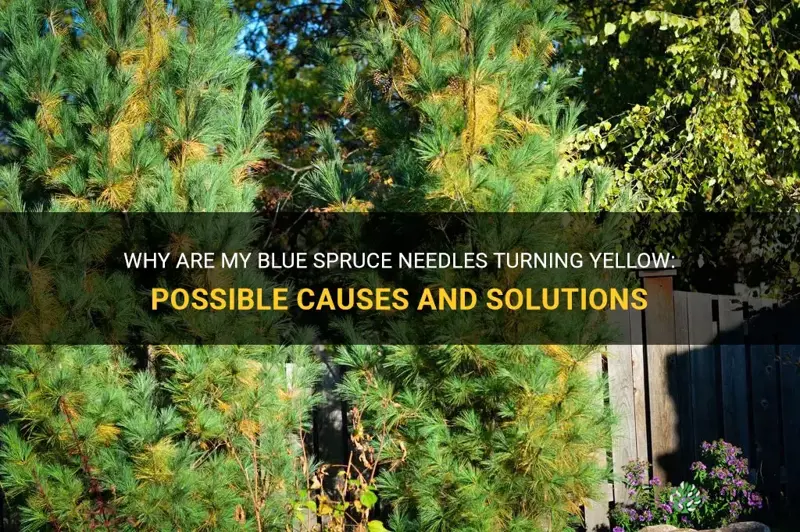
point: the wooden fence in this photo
(701, 367)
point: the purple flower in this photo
(635, 474)
(754, 500)
(618, 529)
(720, 473)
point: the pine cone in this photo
(455, 84)
(382, 81)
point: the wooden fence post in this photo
(626, 390)
(662, 370)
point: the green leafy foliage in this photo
(695, 101)
(352, 503)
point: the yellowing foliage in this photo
(107, 434)
(153, 464)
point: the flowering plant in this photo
(721, 475)
(718, 495)
(651, 502)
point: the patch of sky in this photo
(254, 36)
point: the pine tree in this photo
(139, 106)
(480, 437)
(131, 106)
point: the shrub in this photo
(718, 495)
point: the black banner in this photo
(221, 278)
